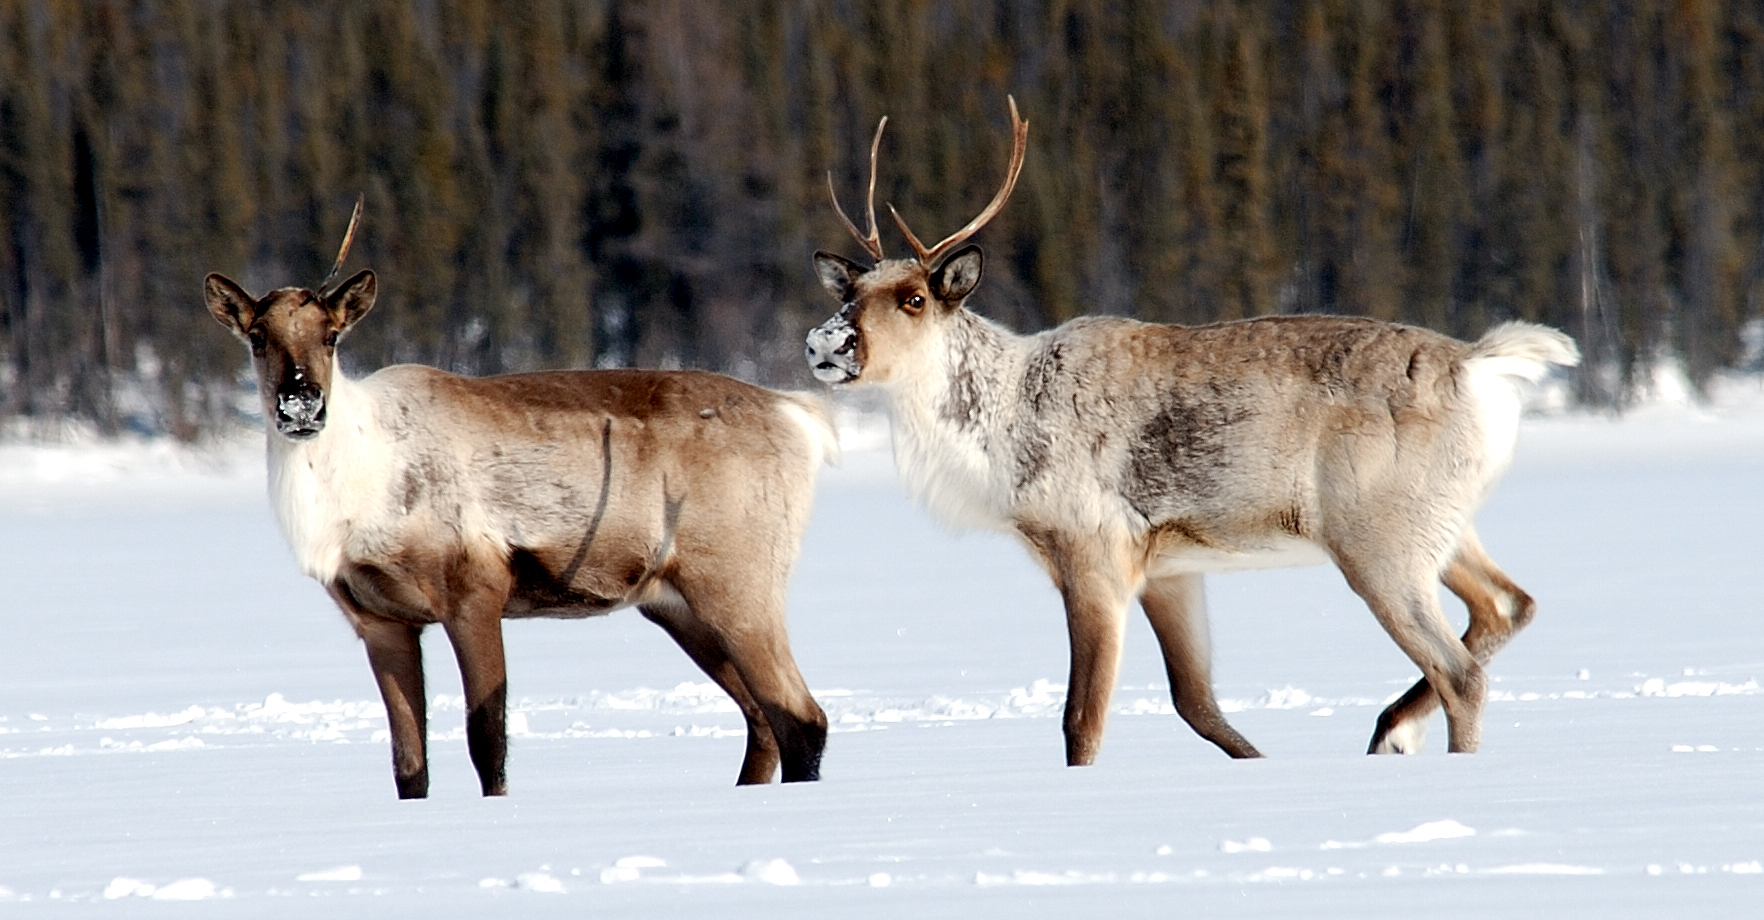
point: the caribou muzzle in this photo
(300, 412)
(832, 351)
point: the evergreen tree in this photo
(615, 181)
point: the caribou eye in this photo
(256, 338)
(913, 304)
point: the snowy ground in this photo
(182, 717)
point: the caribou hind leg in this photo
(1498, 610)
(745, 619)
(706, 651)
(1400, 591)
(1176, 607)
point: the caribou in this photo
(1133, 458)
(417, 497)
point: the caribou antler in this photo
(343, 250)
(872, 243)
(928, 257)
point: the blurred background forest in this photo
(614, 182)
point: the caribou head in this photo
(892, 309)
(293, 334)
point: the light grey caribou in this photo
(1132, 458)
(417, 497)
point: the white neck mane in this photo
(952, 419)
(322, 488)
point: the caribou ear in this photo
(231, 306)
(838, 275)
(958, 276)
(351, 301)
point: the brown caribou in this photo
(418, 497)
(1132, 458)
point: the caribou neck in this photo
(952, 422)
(321, 488)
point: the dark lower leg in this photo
(395, 655)
(1406, 604)
(487, 739)
(800, 744)
(476, 634)
(706, 650)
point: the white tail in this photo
(1523, 350)
(812, 414)
(417, 498)
(1133, 458)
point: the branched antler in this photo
(873, 242)
(1019, 146)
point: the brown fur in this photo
(419, 498)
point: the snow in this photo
(1432, 830)
(183, 717)
(339, 874)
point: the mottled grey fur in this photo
(1131, 458)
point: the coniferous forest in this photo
(617, 182)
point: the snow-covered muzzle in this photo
(300, 409)
(832, 350)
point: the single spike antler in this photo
(928, 257)
(873, 242)
(343, 251)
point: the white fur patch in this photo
(822, 438)
(1525, 350)
(947, 472)
(1284, 553)
(1495, 395)
(1406, 738)
(948, 469)
(1499, 362)
(334, 486)
(949, 480)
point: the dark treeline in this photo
(556, 183)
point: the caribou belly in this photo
(1280, 553)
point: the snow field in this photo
(182, 717)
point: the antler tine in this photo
(873, 242)
(343, 250)
(1019, 147)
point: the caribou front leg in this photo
(395, 653)
(1096, 619)
(474, 626)
(1096, 583)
